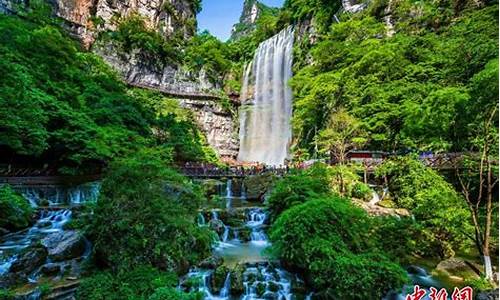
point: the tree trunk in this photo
(488, 271)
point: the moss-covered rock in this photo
(237, 279)
(218, 278)
(256, 186)
(15, 211)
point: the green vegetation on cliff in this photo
(64, 106)
(414, 90)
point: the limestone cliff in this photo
(85, 18)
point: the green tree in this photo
(145, 215)
(342, 133)
(434, 202)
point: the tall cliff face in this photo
(85, 18)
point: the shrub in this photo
(434, 202)
(15, 210)
(145, 215)
(361, 191)
(138, 283)
(297, 188)
(169, 293)
(330, 240)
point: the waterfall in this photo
(265, 131)
(224, 292)
(60, 195)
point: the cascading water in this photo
(257, 217)
(58, 195)
(11, 245)
(265, 131)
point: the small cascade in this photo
(11, 245)
(229, 188)
(225, 235)
(256, 219)
(201, 220)
(59, 195)
(276, 283)
(224, 292)
(202, 277)
(375, 198)
(243, 190)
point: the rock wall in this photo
(85, 18)
(217, 124)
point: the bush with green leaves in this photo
(15, 210)
(140, 283)
(330, 241)
(145, 215)
(436, 205)
(298, 187)
(361, 191)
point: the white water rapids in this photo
(265, 131)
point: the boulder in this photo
(29, 261)
(51, 269)
(488, 295)
(64, 245)
(218, 278)
(457, 268)
(237, 279)
(257, 185)
(211, 262)
(217, 226)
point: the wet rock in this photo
(29, 261)
(211, 187)
(488, 295)
(258, 185)
(218, 278)
(237, 279)
(457, 269)
(3, 231)
(217, 226)
(64, 245)
(51, 269)
(212, 262)
(416, 270)
(8, 280)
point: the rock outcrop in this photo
(252, 10)
(64, 245)
(85, 18)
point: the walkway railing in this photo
(220, 172)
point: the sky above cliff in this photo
(219, 16)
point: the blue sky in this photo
(218, 16)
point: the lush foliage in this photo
(145, 215)
(62, 104)
(297, 188)
(415, 90)
(15, 210)
(67, 107)
(140, 283)
(206, 52)
(435, 204)
(329, 239)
